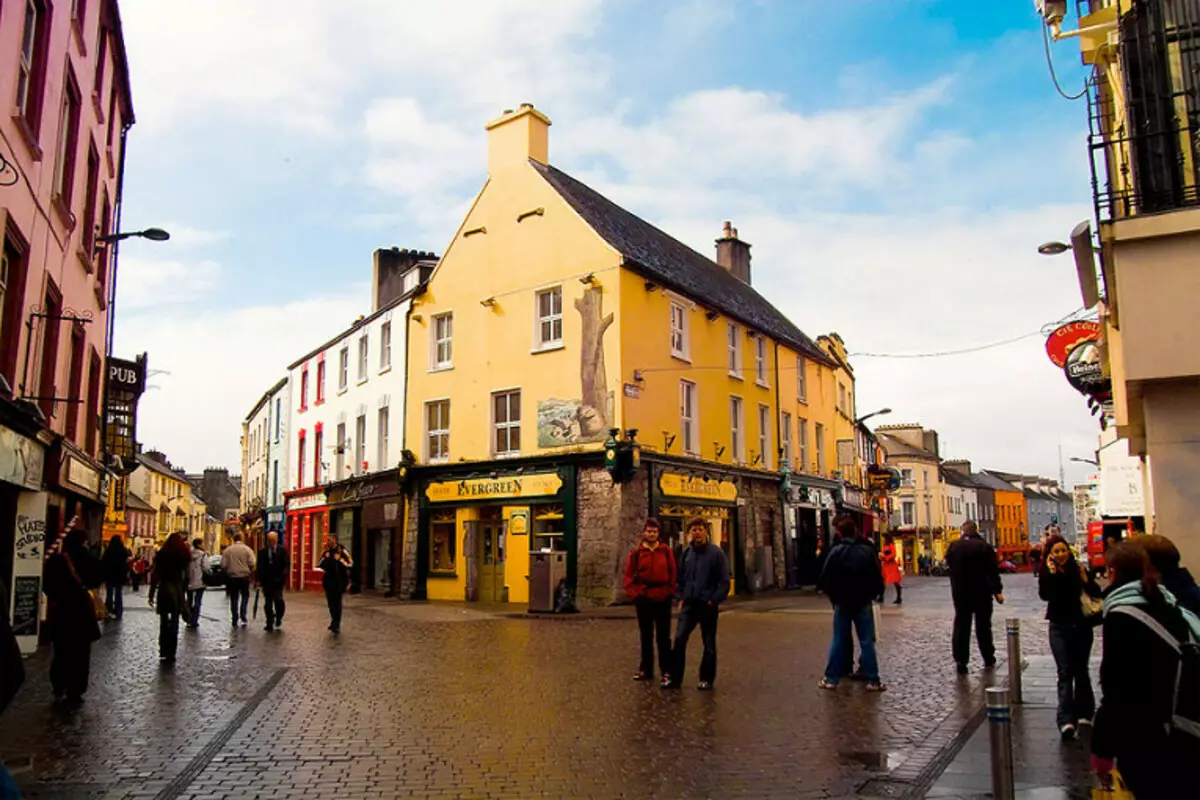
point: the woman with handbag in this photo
(169, 584)
(71, 576)
(1072, 608)
(335, 563)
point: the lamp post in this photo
(154, 235)
(1093, 462)
(1085, 260)
(872, 414)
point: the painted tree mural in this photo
(591, 367)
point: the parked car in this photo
(1008, 566)
(214, 573)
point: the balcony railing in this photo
(1145, 127)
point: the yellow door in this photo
(491, 562)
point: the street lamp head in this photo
(884, 411)
(1053, 248)
(155, 234)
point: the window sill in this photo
(341, 391)
(319, 402)
(513, 454)
(27, 134)
(101, 296)
(108, 156)
(77, 29)
(85, 260)
(548, 348)
(441, 368)
(802, 401)
(63, 211)
(302, 409)
(360, 382)
(681, 357)
(385, 370)
(444, 460)
(762, 384)
(450, 575)
(96, 104)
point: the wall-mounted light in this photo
(589, 279)
(487, 302)
(473, 231)
(651, 286)
(668, 440)
(711, 316)
(534, 212)
(757, 458)
(418, 318)
(639, 376)
(720, 449)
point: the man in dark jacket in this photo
(852, 579)
(650, 578)
(703, 584)
(273, 566)
(974, 582)
(115, 566)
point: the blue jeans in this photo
(114, 599)
(864, 622)
(1071, 644)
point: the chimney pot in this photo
(728, 230)
(733, 254)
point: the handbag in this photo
(1116, 790)
(98, 606)
(1092, 607)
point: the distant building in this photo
(983, 513)
(919, 518)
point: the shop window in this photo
(317, 522)
(547, 529)
(443, 543)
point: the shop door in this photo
(490, 557)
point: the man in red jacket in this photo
(650, 583)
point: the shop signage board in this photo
(676, 485)
(21, 460)
(812, 496)
(1075, 348)
(307, 501)
(536, 485)
(81, 476)
(518, 522)
(28, 551)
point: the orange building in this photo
(1012, 535)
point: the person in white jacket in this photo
(197, 569)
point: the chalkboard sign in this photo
(27, 589)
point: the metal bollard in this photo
(1000, 733)
(1013, 629)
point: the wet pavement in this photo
(444, 700)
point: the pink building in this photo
(65, 107)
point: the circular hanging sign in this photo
(1066, 338)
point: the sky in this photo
(894, 164)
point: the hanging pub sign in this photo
(1075, 348)
(126, 382)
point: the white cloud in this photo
(185, 236)
(150, 283)
(218, 364)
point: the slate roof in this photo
(135, 503)
(895, 447)
(990, 481)
(666, 260)
(955, 478)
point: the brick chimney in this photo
(391, 264)
(962, 467)
(517, 136)
(733, 254)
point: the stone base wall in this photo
(760, 523)
(408, 556)
(609, 524)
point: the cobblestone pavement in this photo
(432, 700)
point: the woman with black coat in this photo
(168, 585)
(115, 563)
(1139, 670)
(335, 563)
(1062, 583)
(69, 576)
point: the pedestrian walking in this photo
(238, 563)
(1063, 584)
(650, 578)
(1149, 665)
(852, 579)
(335, 563)
(974, 583)
(197, 569)
(69, 576)
(893, 575)
(137, 573)
(168, 585)
(1176, 579)
(702, 584)
(115, 566)
(273, 565)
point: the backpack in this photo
(1185, 713)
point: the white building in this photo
(261, 443)
(278, 451)
(961, 500)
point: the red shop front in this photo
(307, 522)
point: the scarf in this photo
(1131, 595)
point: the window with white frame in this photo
(679, 330)
(343, 368)
(443, 334)
(801, 379)
(687, 417)
(506, 423)
(842, 398)
(906, 477)
(909, 511)
(734, 347)
(360, 444)
(385, 345)
(340, 451)
(362, 358)
(819, 441)
(381, 458)
(549, 318)
(764, 435)
(760, 360)
(785, 436)
(437, 430)
(737, 431)
(802, 442)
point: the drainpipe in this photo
(112, 299)
(783, 517)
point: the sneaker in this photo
(641, 676)
(1085, 721)
(962, 669)
(877, 687)
(826, 684)
(667, 683)
(1067, 732)
(269, 628)
(704, 686)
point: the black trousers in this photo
(705, 616)
(70, 666)
(982, 614)
(273, 596)
(238, 590)
(654, 626)
(168, 635)
(333, 597)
